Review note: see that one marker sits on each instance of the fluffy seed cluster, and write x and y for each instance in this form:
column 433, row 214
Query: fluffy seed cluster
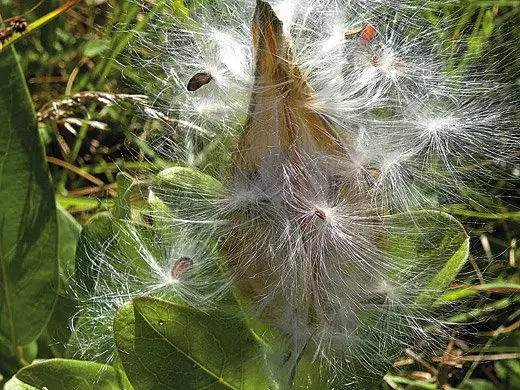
column 119, row 260
column 330, row 117
column 379, row 76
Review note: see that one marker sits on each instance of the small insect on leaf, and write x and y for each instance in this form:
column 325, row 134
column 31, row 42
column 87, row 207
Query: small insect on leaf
column 199, row 80
column 19, row 25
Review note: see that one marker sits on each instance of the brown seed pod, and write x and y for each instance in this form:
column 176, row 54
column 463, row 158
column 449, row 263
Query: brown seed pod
column 199, row 80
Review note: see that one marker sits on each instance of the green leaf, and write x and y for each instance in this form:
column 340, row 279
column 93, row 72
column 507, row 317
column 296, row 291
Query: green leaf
column 16, row 384
column 186, row 191
column 125, row 190
column 28, row 226
column 57, row 332
column 69, row 230
column 431, row 246
column 479, row 384
column 311, row 374
column 168, row 346
column 426, row 249
column 215, row 158
column 114, row 258
column 95, row 47
column 62, row 374
column 124, row 246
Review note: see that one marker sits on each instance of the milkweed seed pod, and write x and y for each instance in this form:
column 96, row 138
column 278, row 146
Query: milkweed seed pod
column 294, row 211
column 324, row 138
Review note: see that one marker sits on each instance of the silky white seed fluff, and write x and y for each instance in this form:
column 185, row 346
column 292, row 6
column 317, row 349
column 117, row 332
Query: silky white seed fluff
column 305, row 234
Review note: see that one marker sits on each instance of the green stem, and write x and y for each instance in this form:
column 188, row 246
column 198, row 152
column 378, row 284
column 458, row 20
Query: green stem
column 482, row 215
column 472, row 314
column 486, row 347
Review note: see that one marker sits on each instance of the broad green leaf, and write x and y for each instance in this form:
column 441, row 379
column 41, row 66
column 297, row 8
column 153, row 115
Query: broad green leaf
column 160, row 214
column 126, row 247
column 479, row 384
column 16, row 384
column 187, row 191
column 69, row 230
column 168, row 346
column 215, row 158
column 93, row 237
column 429, row 246
column 123, row 204
column 312, row 374
column 180, row 194
column 62, row 374
column 28, row 226
column 119, row 258
column 114, row 260
column 57, row 332
column 188, row 181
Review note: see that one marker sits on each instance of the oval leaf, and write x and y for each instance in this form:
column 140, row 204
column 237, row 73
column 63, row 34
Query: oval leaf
column 113, row 259
column 58, row 331
column 168, row 346
column 69, row 230
column 69, row 374
column 429, row 245
column 28, row 227
column 186, row 191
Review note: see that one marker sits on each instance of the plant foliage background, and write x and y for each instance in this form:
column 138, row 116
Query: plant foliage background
column 72, row 145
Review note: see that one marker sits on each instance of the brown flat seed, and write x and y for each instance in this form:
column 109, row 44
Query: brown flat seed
column 199, row 80
column 180, row 267
column 320, row 214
